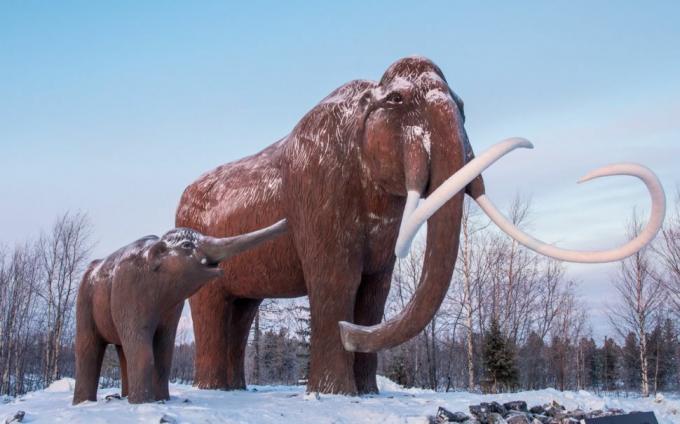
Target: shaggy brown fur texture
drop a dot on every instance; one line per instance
(340, 178)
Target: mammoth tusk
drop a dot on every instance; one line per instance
(412, 221)
(412, 199)
(646, 235)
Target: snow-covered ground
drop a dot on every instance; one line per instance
(290, 404)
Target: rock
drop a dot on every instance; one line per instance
(570, 420)
(496, 418)
(481, 412)
(538, 409)
(554, 412)
(536, 421)
(17, 418)
(477, 410)
(497, 408)
(615, 411)
(113, 396)
(577, 413)
(516, 405)
(446, 416)
(517, 419)
(543, 419)
(556, 405)
(168, 419)
(486, 408)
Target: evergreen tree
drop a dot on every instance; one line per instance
(592, 365)
(533, 364)
(669, 365)
(631, 362)
(663, 347)
(499, 358)
(610, 359)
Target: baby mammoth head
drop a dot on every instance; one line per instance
(186, 253)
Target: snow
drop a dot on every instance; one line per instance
(276, 404)
(437, 95)
(65, 385)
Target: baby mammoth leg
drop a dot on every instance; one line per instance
(89, 355)
(140, 367)
(163, 348)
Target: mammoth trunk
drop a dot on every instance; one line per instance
(440, 255)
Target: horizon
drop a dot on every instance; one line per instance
(112, 110)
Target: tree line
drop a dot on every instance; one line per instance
(38, 285)
(512, 319)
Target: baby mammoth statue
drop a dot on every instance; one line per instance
(134, 298)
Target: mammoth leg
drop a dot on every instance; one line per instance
(221, 327)
(163, 348)
(90, 350)
(369, 309)
(210, 314)
(331, 300)
(243, 312)
(123, 371)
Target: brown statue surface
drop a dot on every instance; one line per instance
(133, 299)
(340, 178)
(344, 177)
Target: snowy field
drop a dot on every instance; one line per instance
(290, 404)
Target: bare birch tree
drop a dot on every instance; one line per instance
(640, 294)
(64, 254)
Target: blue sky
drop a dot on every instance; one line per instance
(112, 109)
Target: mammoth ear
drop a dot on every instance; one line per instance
(367, 100)
(475, 188)
(156, 253)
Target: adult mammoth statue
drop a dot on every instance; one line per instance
(348, 179)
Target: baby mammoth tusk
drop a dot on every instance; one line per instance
(411, 222)
(646, 235)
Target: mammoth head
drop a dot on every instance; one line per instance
(188, 255)
(415, 145)
(403, 116)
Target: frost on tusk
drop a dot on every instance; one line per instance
(646, 235)
(449, 188)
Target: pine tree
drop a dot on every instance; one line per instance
(610, 356)
(669, 351)
(533, 362)
(631, 362)
(499, 358)
(591, 363)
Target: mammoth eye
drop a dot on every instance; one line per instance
(187, 245)
(394, 97)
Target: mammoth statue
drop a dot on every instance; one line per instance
(349, 178)
(133, 299)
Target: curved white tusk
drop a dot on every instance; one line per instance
(412, 199)
(449, 188)
(646, 235)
